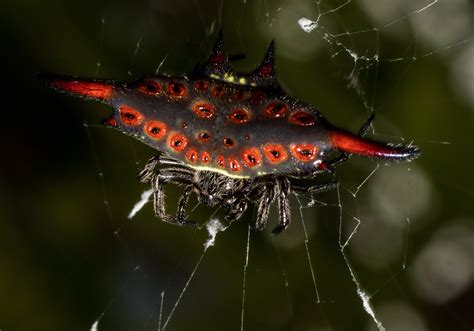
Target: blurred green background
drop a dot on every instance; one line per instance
(69, 256)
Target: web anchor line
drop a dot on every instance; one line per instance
(244, 279)
(360, 292)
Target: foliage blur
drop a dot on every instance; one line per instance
(69, 256)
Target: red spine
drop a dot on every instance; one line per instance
(353, 144)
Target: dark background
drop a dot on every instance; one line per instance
(69, 256)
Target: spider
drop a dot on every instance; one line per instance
(233, 139)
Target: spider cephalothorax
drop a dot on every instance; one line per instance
(231, 138)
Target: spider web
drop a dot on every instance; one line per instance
(368, 221)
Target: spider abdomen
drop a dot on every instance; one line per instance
(237, 130)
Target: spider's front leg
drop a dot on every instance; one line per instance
(159, 199)
(171, 172)
(180, 176)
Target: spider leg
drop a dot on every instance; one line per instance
(177, 175)
(263, 210)
(314, 189)
(148, 172)
(283, 190)
(172, 172)
(183, 201)
(266, 192)
(159, 199)
(180, 176)
(368, 123)
(236, 209)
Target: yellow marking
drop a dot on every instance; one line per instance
(229, 78)
(221, 171)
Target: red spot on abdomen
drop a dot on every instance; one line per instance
(177, 142)
(155, 129)
(177, 90)
(203, 137)
(110, 122)
(234, 165)
(251, 157)
(201, 85)
(150, 87)
(304, 152)
(192, 155)
(130, 116)
(228, 142)
(221, 161)
(239, 116)
(302, 118)
(275, 110)
(204, 109)
(205, 157)
(275, 153)
(218, 91)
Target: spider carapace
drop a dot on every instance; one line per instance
(231, 138)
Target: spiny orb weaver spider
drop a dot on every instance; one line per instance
(231, 138)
